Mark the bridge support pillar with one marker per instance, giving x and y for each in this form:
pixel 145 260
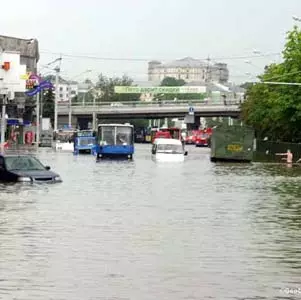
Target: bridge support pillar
pixel 195 125
pixel 94 121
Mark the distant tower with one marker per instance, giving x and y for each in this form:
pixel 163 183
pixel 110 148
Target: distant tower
pixel 152 65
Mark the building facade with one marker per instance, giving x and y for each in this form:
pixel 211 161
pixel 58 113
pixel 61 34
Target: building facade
pixel 29 56
pixel 188 69
pixel 67 90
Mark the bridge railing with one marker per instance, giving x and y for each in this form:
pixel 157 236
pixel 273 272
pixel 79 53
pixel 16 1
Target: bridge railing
pixel 153 103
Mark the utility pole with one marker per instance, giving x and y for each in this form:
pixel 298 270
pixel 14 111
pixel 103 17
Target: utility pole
pixel 42 104
pixel 38 120
pixel 207 69
pixel 3 122
pixel 57 71
pixel 69 105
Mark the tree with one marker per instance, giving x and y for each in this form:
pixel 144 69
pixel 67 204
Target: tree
pixel 171 81
pixel 106 85
pixel 246 85
pixel 275 110
pixel 48 105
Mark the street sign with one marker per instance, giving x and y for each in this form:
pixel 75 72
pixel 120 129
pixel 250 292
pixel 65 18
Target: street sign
pixel 191 110
pixel 189 119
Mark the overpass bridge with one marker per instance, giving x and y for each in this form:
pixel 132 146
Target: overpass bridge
pixel 150 110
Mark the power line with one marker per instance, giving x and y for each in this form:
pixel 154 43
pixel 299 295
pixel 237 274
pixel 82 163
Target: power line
pixel 84 56
pixel 282 76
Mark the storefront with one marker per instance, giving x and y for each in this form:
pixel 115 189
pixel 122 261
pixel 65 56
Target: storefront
pixel 16 130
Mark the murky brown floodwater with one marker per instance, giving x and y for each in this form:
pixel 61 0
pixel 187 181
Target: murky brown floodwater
pixel 140 230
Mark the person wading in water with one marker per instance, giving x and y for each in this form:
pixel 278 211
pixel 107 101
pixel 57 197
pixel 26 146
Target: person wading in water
pixel 288 158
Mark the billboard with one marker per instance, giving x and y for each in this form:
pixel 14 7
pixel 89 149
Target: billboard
pixel 160 90
pixel 12 77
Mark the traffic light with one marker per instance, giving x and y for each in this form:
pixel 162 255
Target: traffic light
pixel 6 65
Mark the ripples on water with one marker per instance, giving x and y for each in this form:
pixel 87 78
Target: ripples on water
pixel 141 230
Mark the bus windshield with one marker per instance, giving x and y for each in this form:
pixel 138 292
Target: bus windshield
pixel 86 141
pixel 116 135
pixel 124 135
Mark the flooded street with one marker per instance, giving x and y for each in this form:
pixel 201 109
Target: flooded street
pixel 145 231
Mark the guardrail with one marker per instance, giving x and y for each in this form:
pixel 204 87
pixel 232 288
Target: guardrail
pixel 153 103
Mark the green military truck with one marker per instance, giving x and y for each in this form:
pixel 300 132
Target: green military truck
pixel 232 143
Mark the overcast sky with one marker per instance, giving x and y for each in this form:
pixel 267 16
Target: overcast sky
pixel 152 29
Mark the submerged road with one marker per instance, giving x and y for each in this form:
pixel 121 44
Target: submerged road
pixel 147 231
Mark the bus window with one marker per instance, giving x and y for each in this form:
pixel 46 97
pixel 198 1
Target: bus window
pixel 108 135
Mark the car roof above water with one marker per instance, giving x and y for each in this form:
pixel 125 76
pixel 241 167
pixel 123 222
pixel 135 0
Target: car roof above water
pixel 167 141
pixel 16 155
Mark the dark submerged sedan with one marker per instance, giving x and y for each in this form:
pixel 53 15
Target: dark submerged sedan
pixel 25 168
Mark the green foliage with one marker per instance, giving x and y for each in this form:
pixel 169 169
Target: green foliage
pixel 171 81
pixel 106 85
pixel 246 85
pixel 275 110
pixel 48 104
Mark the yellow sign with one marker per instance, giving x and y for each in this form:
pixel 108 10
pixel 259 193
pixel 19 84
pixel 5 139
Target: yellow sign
pixel 25 76
pixel 234 148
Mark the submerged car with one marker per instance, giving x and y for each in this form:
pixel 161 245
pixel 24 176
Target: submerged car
pixel 25 168
pixel 168 150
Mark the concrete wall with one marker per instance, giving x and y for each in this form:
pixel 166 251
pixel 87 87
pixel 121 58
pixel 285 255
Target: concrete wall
pixel 64 120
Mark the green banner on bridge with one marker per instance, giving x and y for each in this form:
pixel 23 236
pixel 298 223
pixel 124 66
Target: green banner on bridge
pixel 160 90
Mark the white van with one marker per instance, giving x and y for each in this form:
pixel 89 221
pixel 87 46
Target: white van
pixel 168 150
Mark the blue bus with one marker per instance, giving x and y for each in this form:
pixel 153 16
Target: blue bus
pixel 115 141
pixel 84 141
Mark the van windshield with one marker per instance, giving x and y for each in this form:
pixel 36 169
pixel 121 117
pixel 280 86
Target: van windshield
pixel 167 148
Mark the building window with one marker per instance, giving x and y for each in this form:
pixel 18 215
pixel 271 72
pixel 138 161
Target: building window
pixel 61 88
pixel 73 92
pixel 61 95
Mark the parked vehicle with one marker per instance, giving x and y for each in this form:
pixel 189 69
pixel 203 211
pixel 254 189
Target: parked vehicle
pixel 46 138
pixel 168 150
pixel 202 140
pixel 85 141
pixel 115 141
pixel 161 135
pixel 191 138
pixel 174 132
pixel 232 143
pixel 25 168
pixel 64 140
pixel 140 134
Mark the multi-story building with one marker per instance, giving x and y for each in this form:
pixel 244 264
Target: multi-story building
pixel 188 69
pixel 67 90
pixel 29 56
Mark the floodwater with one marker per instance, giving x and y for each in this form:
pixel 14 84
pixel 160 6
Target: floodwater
pixel 146 231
